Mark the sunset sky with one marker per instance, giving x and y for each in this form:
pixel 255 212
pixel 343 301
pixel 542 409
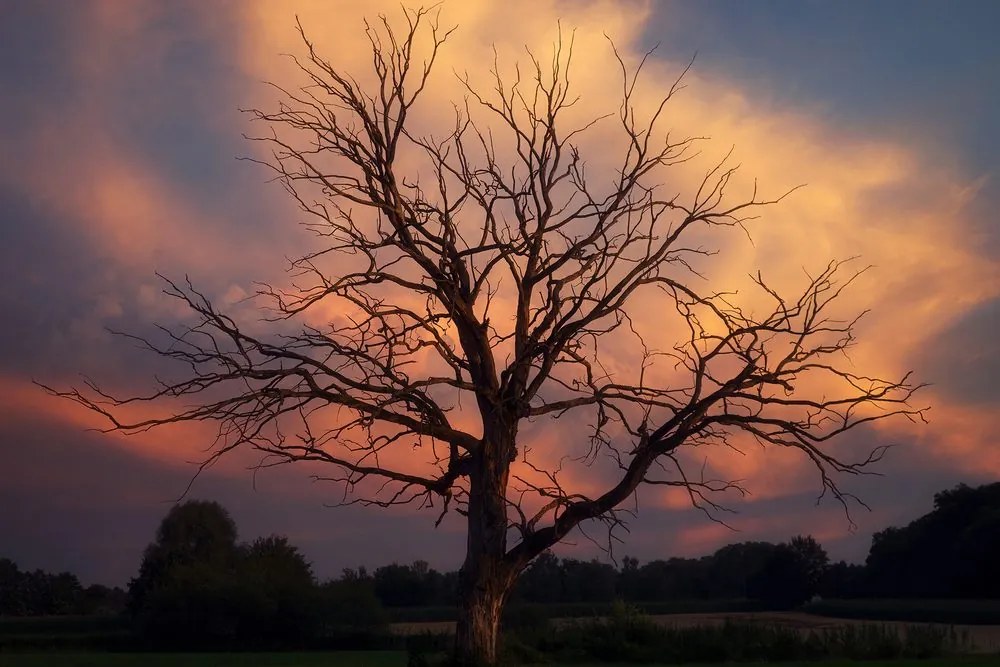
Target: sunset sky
pixel 119 129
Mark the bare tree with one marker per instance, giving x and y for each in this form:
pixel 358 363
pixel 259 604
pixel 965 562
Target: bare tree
pixel 487 278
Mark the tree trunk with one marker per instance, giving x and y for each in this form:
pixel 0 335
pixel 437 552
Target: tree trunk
pixel 478 630
pixel 485 578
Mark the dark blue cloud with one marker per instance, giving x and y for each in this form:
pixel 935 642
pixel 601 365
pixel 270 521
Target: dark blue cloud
pixel 964 360
pixel 889 66
pixel 71 500
pixel 37 43
pixel 74 501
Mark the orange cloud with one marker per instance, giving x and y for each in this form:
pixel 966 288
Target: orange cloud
pixel 901 210
pixel 897 206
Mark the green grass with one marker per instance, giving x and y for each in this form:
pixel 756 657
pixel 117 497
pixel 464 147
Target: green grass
pixel 318 659
pixel 979 661
pixel 382 659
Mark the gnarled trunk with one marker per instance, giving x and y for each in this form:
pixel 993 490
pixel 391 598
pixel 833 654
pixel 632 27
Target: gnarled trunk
pixel 485 578
pixel 478 630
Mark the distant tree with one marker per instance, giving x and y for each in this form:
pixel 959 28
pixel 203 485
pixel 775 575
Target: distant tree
pixel 360 574
pixel 587 581
pixel 844 580
pixel 672 579
pixel 61 593
pixel 350 603
pixel 628 579
pixel 542 581
pixel 194 539
pixel 188 592
pixel 195 605
pixel 280 601
pixel 404 585
pixel 12 593
pixel 39 593
pixel 952 551
pixel 731 567
pixel 812 560
pixel 103 600
pixel 792 573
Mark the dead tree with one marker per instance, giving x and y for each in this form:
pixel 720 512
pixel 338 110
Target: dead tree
pixel 471 296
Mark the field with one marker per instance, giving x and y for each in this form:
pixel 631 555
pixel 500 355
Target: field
pixel 982 638
pixel 366 659
pixel 36 641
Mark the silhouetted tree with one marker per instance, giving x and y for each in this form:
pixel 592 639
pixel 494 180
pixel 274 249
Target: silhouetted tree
pixel 844 580
pixel 488 279
pixel 195 538
pixel 733 566
pixel 187 589
pixel 12 597
pixel 411 585
pixel 812 559
pixel 629 586
pixel 550 579
pixel 952 551
pixel 672 579
pixel 198 586
pixel 791 575
pixel 542 580
pixel 39 593
pixel 351 604
pixel 103 600
pixel 280 602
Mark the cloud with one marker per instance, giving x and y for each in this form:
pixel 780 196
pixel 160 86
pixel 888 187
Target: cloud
pixel 70 502
pixel 900 210
pixel 963 361
pixel 120 135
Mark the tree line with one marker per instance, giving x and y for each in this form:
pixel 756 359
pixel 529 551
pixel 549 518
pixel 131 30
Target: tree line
pixel 40 593
pixel 196 580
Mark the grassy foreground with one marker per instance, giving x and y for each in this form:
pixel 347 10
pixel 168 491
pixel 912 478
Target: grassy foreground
pixel 383 659
pixel 305 659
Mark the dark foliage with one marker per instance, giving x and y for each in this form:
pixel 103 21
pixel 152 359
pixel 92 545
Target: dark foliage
pixel 38 593
pixel 415 585
pixel 951 552
pixel 198 588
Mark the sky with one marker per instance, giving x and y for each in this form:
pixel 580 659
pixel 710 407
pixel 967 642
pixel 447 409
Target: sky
pixel 119 133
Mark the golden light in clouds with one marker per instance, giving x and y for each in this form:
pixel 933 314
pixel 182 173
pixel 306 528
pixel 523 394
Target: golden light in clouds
pixel 900 210
pixel 898 207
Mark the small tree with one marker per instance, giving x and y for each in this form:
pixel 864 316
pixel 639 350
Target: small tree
pixel 476 292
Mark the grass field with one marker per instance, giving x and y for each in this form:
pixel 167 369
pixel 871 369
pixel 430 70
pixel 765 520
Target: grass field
pixel 318 659
pixel 377 659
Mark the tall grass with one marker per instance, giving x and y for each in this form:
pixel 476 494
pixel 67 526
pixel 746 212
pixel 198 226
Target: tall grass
pixel 971 612
pixel 627 635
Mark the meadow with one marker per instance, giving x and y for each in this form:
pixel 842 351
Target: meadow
pixel 379 659
pixel 621 635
